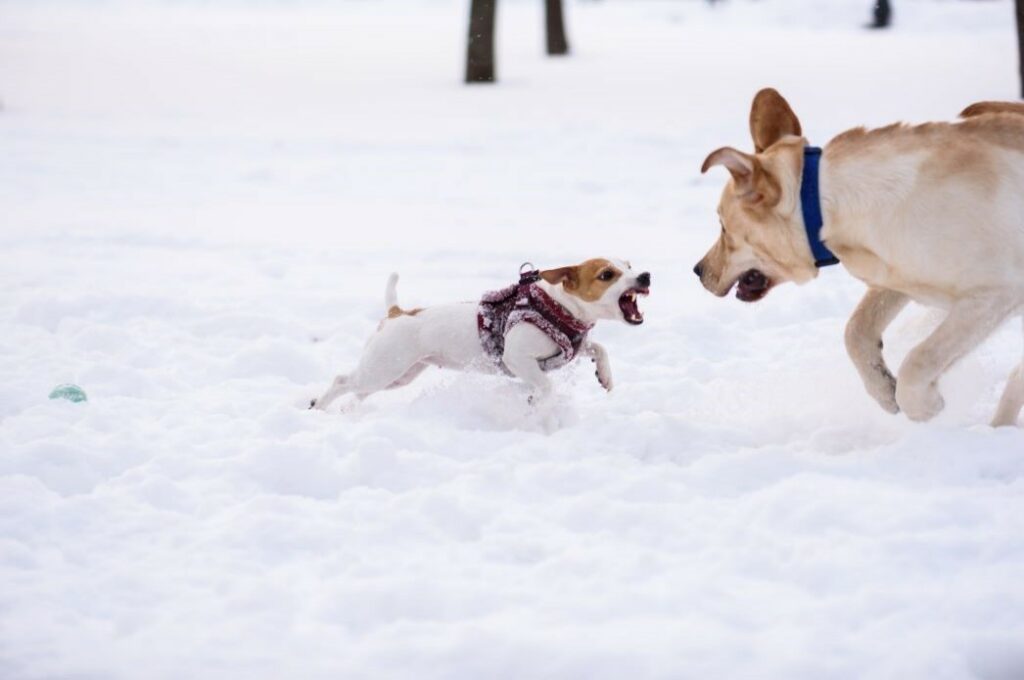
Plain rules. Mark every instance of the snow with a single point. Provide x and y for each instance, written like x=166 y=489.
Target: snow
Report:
x=201 y=203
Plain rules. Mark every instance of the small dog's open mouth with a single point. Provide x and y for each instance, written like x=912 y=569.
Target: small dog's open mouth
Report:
x=630 y=310
x=753 y=285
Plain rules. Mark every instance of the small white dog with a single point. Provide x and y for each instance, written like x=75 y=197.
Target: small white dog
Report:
x=526 y=329
x=932 y=213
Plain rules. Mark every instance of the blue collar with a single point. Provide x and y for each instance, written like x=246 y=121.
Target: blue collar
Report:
x=810 y=203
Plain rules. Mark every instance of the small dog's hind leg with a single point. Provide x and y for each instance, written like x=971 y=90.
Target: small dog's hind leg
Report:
x=337 y=388
x=409 y=376
x=1013 y=399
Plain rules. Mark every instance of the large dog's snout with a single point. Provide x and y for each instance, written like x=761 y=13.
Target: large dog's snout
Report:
x=698 y=269
x=644 y=280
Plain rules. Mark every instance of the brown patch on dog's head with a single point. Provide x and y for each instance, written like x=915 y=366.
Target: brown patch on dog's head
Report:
x=601 y=288
x=762 y=241
x=587 y=281
x=397 y=311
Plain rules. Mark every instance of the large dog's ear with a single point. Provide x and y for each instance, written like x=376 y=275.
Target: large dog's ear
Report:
x=771 y=119
x=567 y=276
x=752 y=183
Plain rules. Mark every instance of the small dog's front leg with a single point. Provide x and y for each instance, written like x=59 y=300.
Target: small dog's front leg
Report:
x=864 y=343
x=599 y=355
x=524 y=346
x=528 y=370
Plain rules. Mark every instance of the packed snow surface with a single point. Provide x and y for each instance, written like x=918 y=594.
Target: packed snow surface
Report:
x=201 y=204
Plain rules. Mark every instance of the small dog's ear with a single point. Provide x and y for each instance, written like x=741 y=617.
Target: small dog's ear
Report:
x=567 y=276
x=752 y=183
x=771 y=119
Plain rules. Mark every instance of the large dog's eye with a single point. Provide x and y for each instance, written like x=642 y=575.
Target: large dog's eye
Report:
x=606 y=275
x=722 y=224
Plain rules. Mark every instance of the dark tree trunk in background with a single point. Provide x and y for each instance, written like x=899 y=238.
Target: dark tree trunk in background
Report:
x=557 y=44
x=480 y=52
x=1020 y=41
x=882 y=14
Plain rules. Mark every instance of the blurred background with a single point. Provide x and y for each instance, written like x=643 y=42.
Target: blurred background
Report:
x=339 y=120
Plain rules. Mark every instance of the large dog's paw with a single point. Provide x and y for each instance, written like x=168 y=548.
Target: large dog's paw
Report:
x=920 y=403
x=882 y=388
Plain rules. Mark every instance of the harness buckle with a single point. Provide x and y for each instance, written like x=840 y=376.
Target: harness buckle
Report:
x=528 y=273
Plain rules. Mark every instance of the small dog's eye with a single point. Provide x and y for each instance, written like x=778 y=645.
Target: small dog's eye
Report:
x=606 y=275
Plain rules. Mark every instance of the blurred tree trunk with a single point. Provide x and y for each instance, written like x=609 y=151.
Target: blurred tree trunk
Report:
x=882 y=14
x=1020 y=41
x=557 y=44
x=480 y=51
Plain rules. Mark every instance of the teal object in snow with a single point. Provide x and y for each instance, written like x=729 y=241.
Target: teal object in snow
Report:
x=70 y=392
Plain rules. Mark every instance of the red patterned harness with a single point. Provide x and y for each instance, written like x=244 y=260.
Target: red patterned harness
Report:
x=525 y=302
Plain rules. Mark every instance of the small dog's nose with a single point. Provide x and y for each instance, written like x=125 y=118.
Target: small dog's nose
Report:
x=698 y=269
x=644 y=279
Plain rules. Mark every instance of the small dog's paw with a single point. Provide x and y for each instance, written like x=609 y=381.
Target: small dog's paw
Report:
x=605 y=378
x=920 y=403
x=312 y=403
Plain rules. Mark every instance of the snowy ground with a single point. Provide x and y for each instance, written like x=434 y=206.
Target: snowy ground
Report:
x=201 y=203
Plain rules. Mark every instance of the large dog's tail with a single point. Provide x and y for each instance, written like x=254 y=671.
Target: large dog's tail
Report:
x=981 y=108
x=391 y=295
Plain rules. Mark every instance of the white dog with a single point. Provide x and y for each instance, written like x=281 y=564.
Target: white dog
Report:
x=932 y=213
x=526 y=329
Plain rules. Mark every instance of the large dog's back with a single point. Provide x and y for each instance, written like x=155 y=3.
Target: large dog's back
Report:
x=981 y=108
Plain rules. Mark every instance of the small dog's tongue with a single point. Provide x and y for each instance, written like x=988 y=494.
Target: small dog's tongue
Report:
x=630 y=309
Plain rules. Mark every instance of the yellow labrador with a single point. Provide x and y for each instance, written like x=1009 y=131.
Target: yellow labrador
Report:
x=932 y=213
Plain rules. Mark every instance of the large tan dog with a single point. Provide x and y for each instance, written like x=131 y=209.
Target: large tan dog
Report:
x=932 y=213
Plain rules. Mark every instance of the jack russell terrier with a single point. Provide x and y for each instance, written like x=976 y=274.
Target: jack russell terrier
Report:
x=524 y=330
x=932 y=213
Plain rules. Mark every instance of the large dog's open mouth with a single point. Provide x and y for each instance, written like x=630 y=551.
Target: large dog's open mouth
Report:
x=630 y=310
x=753 y=285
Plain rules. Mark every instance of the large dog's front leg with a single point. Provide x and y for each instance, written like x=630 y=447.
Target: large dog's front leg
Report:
x=864 y=332
x=970 y=321
x=599 y=354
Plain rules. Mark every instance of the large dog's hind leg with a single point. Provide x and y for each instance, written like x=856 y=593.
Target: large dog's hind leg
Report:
x=970 y=321
x=864 y=332
x=1012 y=400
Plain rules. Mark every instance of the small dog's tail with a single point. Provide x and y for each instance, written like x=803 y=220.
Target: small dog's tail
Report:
x=391 y=295
x=981 y=108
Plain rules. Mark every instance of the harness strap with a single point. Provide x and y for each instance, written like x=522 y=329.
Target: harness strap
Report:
x=526 y=302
